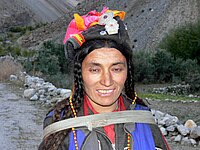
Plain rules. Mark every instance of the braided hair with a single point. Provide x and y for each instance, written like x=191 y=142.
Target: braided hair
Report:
x=53 y=141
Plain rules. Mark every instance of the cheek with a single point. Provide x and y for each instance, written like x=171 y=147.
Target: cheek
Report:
x=121 y=79
x=89 y=80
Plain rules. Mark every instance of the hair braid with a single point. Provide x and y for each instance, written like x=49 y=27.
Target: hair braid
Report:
x=129 y=84
x=78 y=87
x=53 y=141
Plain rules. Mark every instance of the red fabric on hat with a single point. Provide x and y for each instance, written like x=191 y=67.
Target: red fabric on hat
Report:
x=109 y=130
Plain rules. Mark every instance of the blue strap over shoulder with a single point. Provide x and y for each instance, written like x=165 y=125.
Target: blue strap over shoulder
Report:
x=142 y=135
x=80 y=139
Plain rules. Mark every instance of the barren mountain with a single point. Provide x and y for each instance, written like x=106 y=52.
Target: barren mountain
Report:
x=147 y=20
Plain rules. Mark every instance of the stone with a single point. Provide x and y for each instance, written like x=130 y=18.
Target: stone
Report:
x=195 y=132
x=34 y=98
x=159 y=114
x=178 y=138
x=13 y=77
x=163 y=130
x=190 y=124
x=153 y=111
x=28 y=93
x=183 y=130
x=160 y=122
x=185 y=141
x=170 y=120
x=41 y=92
x=65 y=91
x=171 y=128
x=193 y=142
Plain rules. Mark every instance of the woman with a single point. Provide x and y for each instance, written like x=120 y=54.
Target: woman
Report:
x=103 y=112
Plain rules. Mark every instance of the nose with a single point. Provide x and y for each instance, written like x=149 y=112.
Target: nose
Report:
x=106 y=79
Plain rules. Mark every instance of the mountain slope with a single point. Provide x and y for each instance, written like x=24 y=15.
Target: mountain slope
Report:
x=147 y=20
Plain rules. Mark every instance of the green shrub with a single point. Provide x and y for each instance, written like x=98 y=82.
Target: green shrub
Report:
x=160 y=67
x=183 y=42
x=51 y=62
x=184 y=68
x=15 y=51
x=143 y=67
x=51 y=48
x=194 y=81
x=163 y=66
x=28 y=53
x=2 y=51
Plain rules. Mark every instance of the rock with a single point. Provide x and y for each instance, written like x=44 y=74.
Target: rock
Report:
x=34 y=98
x=175 y=133
x=13 y=77
x=160 y=122
x=153 y=112
x=190 y=95
x=52 y=89
x=171 y=128
x=41 y=92
x=178 y=138
x=193 y=142
x=65 y=91
x=159 y=114
x=183 y=130
x=195 y=132
x=163 y=130
x=190 y=124
x=186 y=141
x=170 y=120
x=28 y=93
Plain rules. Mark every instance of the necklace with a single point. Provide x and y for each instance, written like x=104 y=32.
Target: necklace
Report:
x=73 y=130
x=75 y=115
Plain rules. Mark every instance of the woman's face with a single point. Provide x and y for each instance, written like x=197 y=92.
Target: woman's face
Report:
x=104 y=73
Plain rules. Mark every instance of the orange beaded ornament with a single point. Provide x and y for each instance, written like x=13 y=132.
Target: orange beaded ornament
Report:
x=73 y=130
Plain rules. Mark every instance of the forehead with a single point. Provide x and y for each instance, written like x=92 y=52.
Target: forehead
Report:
x=105 y=55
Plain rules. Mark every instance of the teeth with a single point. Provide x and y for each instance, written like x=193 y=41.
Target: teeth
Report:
x=105 y=91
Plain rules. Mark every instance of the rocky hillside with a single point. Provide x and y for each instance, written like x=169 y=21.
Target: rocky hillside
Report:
x=147 y=20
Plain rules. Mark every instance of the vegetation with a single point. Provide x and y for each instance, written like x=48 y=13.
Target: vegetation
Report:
x=166 y=97
x=8 y=67
x=161 y=67
x=184 y=42
x=51 y=64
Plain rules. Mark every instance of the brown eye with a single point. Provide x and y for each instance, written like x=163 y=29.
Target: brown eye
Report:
x=94 y=70
x=117 y=69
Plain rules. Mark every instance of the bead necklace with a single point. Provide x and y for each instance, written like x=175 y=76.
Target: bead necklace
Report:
x=129 y=135
x=74 y=132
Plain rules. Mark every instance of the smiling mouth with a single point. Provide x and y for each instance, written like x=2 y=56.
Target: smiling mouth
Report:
x=105 y=91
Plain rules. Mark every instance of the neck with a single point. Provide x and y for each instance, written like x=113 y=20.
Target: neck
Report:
x=102 y=108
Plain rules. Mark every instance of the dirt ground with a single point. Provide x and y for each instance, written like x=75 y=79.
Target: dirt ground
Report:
x=20 y=120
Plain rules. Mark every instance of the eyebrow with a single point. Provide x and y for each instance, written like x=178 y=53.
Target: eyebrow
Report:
x=114 y=64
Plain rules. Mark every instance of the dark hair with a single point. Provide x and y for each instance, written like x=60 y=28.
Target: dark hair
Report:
x=53 y=141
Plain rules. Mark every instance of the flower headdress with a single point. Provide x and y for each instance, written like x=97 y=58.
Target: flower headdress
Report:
x=107 y=24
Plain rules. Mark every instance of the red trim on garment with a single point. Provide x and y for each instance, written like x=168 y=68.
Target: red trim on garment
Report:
x=109 y=130
x=165 y=142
